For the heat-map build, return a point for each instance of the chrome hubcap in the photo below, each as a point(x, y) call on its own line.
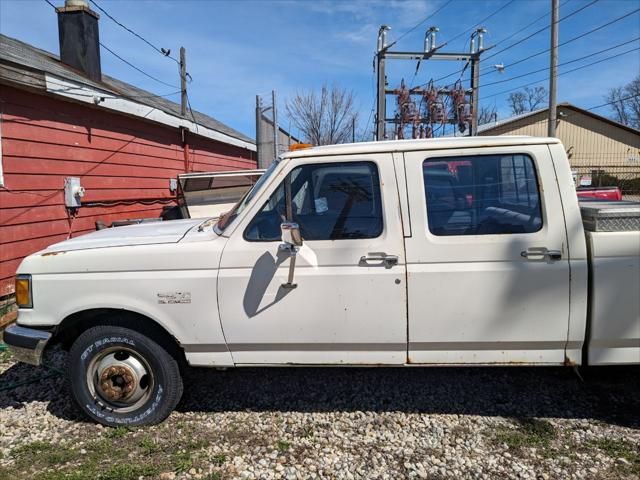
point(120, 379)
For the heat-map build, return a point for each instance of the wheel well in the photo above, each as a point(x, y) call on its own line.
point(75, 324)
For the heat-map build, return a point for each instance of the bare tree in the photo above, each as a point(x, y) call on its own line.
point(487, 114)
point(527, 100)
point(615, 96)
point(625, 103)
point(324, 118)
point(517, 103)
point(633, 98)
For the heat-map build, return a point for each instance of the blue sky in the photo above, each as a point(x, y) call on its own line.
point(237, 49)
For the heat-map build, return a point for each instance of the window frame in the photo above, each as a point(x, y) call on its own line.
point(368, 162)
point(456, 158)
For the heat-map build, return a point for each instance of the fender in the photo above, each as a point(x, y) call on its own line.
point(184, 303)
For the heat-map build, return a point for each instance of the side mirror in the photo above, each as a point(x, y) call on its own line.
point(291, 240)
point(291, 237)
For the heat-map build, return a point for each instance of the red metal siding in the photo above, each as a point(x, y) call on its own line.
point(125, 165)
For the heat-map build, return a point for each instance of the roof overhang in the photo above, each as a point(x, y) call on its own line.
point(488, 127)
point(58, 86)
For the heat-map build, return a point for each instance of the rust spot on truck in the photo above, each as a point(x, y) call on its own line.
point(569, 363)
point(51, 254)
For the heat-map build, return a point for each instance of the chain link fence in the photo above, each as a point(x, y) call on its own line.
point(625, 177)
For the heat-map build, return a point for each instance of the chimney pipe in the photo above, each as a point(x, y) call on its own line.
point(79, 38)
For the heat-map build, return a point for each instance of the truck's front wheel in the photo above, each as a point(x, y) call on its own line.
point(121, 377)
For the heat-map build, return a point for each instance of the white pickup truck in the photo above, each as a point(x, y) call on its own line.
point(453, 251)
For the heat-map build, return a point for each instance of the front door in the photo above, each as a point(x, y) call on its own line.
point(487, 260)
point(349, 303)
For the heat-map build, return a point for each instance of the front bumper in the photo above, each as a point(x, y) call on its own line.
point(26, 344)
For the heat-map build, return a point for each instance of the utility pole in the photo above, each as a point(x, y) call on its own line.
point(382, 83)
point(353, 129)
point(183, 82)
point(275, 125)
point(258, 134)
point(476, 47)
point(475, 89)
point(551, 131)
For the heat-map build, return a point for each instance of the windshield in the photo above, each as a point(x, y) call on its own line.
point(229, 217)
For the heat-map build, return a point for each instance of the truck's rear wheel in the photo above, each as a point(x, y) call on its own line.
point(121, 377)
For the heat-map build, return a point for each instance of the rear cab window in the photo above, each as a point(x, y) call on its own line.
point(482, 195)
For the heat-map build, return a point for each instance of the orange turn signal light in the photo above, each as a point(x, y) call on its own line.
point(299, 146)
point(23, 291)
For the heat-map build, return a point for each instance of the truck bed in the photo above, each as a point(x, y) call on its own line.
point(613, 240)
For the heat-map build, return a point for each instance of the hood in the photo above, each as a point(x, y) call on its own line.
point(171, 231)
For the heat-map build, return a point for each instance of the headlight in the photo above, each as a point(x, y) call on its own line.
point(24, 298)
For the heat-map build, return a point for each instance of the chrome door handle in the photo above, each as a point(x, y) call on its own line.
point(540, 253)
point(379, 259)
point(554, 254)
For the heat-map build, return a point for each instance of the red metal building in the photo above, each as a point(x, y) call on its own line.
point(123, 143)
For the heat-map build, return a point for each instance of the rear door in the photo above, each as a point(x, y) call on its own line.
point(488, 273)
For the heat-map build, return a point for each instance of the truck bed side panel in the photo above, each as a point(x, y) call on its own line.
point(615, 297)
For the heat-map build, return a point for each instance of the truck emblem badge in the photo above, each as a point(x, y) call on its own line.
point(174, 297)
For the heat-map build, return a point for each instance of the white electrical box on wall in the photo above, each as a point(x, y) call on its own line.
point(73, 192)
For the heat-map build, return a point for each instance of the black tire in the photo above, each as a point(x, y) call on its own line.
point(102, 343)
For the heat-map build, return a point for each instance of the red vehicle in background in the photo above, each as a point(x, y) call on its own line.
point(600, 193)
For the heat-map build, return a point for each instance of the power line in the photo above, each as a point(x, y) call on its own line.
point(562, 64)
point(564, 73)
point(575, 12)
point(420, 23)
point(525, 38)
point(566, 115)
point(573, 39)
point(136, 68)
point(122, 59)
point(521, 29)
point(624, 99)
point(162, 51)
point(582, 35)
point(192, 115)
point(470, 29)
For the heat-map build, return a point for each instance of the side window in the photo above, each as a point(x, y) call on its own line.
point(330, 201)
point(482, 195)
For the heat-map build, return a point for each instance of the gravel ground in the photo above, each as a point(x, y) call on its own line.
point(337, 423)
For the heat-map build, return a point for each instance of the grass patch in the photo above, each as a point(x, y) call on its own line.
point(129, 472)
point(148, 446)
point(529, 432)
point(102, 447)
point(196, 445)
point(118, 432)
point(121, 453)
point(306, 431)
point(42, 452)
point(616, 448)
point(5, 355)
point(282, 446)
point(182, 462)
point(61, 475)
